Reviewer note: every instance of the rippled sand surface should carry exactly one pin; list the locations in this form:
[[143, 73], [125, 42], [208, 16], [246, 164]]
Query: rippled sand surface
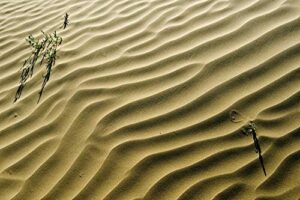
[[138, 104]]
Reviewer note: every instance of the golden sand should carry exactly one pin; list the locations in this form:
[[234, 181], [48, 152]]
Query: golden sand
[[138, 104]]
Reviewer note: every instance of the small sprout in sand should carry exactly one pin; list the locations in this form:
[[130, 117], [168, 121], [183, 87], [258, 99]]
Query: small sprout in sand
[[249, 129]]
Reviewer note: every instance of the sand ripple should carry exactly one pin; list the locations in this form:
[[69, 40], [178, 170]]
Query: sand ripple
[[138, 102]]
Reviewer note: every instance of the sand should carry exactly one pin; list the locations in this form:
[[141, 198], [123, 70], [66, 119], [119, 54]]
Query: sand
[[138, 104]]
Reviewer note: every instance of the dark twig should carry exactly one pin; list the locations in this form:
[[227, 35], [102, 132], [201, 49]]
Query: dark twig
[[251, 129], [46, 79], [262, 164], [66, 21], [19, 91], [23, 79]]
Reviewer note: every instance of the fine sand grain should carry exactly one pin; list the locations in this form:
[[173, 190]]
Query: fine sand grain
[[139, 100]]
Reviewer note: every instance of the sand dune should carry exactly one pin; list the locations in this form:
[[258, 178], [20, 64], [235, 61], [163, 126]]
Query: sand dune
[[138, 104]]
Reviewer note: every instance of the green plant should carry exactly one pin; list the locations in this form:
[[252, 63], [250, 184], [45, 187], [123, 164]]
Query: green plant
[[50, 55], [45, 47]]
